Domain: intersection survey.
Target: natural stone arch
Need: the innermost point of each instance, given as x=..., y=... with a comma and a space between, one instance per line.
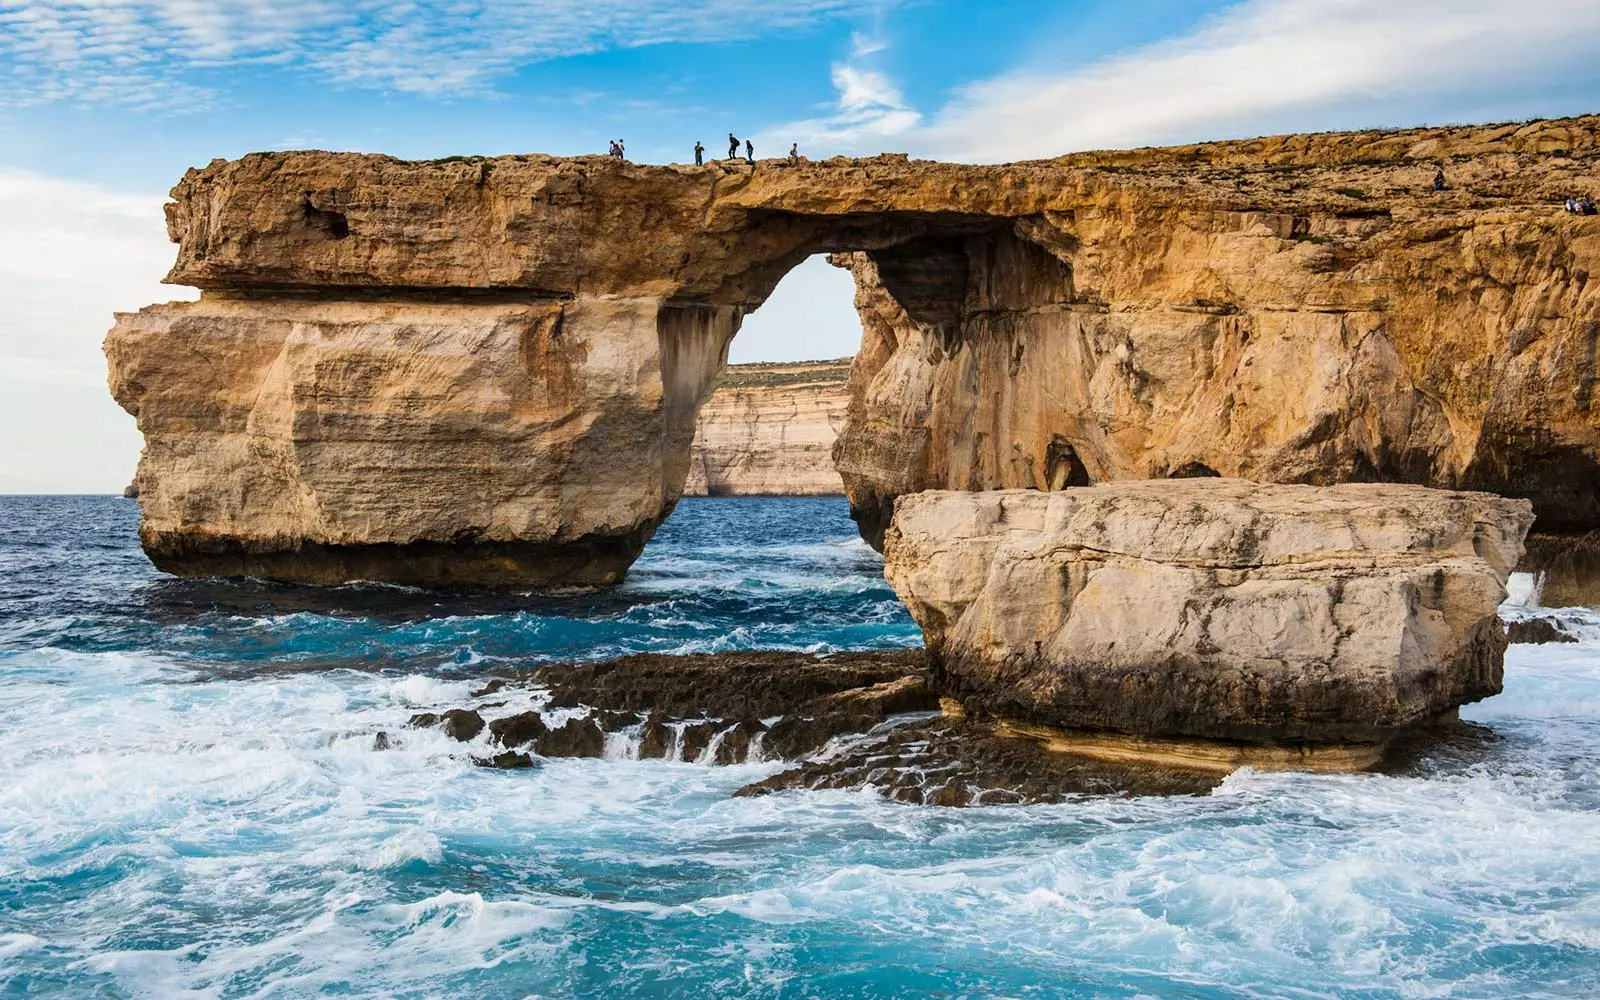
x=486, y=371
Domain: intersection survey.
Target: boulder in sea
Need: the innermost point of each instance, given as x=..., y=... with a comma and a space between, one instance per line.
x=458, y=723
x=510, y=760
x=1536, y=631
x=1212, y=608
x=517, y=730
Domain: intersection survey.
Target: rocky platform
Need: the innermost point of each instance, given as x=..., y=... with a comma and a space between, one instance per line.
x=1317, y=621
x=487, y=371
x=846, y=720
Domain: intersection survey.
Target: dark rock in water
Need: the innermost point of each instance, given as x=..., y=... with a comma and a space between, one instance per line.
x=517, y=730
x=735, y=745
x=489, y=688
x=131, y=491
x=696, y=737
x=736, y=685
x=615, y=722
x=655, y=739
x=458, y=723
x=511, y=760
x=1536, y=631
x=382, y=742
x=794, y=736
x=577, y=738
x=462, y=724
x=951, y=762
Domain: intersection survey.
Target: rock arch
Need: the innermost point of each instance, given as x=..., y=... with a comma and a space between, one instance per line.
x=485, y=371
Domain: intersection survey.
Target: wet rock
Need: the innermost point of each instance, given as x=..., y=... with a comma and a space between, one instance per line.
x=576, y=738
x=382, y=742
x=696, y=737
x=795, y=736
x=489, y=688
x=458, y=723
x=735, y=745
x=517, y=730
x=735, y=685
x=1536, y=631
x=510, y=760
x=616, y=722
x=655, y=738
x=954, y=762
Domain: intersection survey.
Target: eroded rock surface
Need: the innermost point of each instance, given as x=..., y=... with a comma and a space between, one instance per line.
x=1212, y=608
x=769, y=430
x=486, y=371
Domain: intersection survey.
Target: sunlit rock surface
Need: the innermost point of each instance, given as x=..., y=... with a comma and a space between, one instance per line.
x=769, y=430
x=487, y=370
x=1212, y=608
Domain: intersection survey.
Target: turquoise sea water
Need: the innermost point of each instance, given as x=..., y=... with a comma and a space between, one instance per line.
x=191, y=806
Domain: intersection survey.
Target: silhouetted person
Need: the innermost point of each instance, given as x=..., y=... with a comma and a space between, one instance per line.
x=733, y=146
x=750, y=152
x=622, y=153
x=699, y=154
x=794, y=154
x=1438, y=180
x=611, y=148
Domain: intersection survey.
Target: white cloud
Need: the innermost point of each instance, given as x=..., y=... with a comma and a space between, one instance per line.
x=143, y=53
x=1260, y=65
x=70, y=255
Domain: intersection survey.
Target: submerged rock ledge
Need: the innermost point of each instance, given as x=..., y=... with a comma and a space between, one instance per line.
x=503, y=358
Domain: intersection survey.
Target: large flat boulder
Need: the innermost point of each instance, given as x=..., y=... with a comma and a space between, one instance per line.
x=1212, y=608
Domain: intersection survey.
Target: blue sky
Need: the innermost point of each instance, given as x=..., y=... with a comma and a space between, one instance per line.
x=106, y=102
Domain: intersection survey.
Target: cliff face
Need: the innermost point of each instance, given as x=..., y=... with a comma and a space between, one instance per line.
x=487, y=370
x=769, y=429
x=1213, y=608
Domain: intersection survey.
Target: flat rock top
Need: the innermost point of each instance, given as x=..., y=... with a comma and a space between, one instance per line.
x=569, y=225
x=1228, y=523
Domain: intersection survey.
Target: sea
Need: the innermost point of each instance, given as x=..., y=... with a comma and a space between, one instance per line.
x=192, y=805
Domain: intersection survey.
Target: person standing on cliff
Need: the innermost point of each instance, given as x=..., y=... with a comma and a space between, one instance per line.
x=699, y=154
x=733, y=146
x=794, y=154
x=622, y=153
x=750, y=152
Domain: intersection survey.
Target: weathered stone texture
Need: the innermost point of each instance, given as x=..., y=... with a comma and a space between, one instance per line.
x=396, y=363
x=1212, y=608
x=769, y=430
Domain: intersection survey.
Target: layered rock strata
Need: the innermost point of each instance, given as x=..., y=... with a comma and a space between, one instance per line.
x=1212, y=608
x=769, y=430
x=487, y=370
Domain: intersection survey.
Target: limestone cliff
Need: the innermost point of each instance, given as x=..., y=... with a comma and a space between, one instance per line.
x=769, y=429
x=487, y=370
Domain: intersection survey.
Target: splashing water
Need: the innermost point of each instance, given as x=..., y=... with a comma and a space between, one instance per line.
x=191, y=805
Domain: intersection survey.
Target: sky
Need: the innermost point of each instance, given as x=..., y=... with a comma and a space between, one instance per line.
x=105, y=103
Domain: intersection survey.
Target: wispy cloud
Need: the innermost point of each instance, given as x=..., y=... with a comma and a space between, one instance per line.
x=145, y=53
x=1260, y=65
x=70, y=254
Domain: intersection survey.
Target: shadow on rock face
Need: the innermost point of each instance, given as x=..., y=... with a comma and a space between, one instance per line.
x=1567, y=568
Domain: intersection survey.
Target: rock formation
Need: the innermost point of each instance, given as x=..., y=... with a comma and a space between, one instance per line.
x=486, y=371
x=769, y=429
x=1212, y=608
